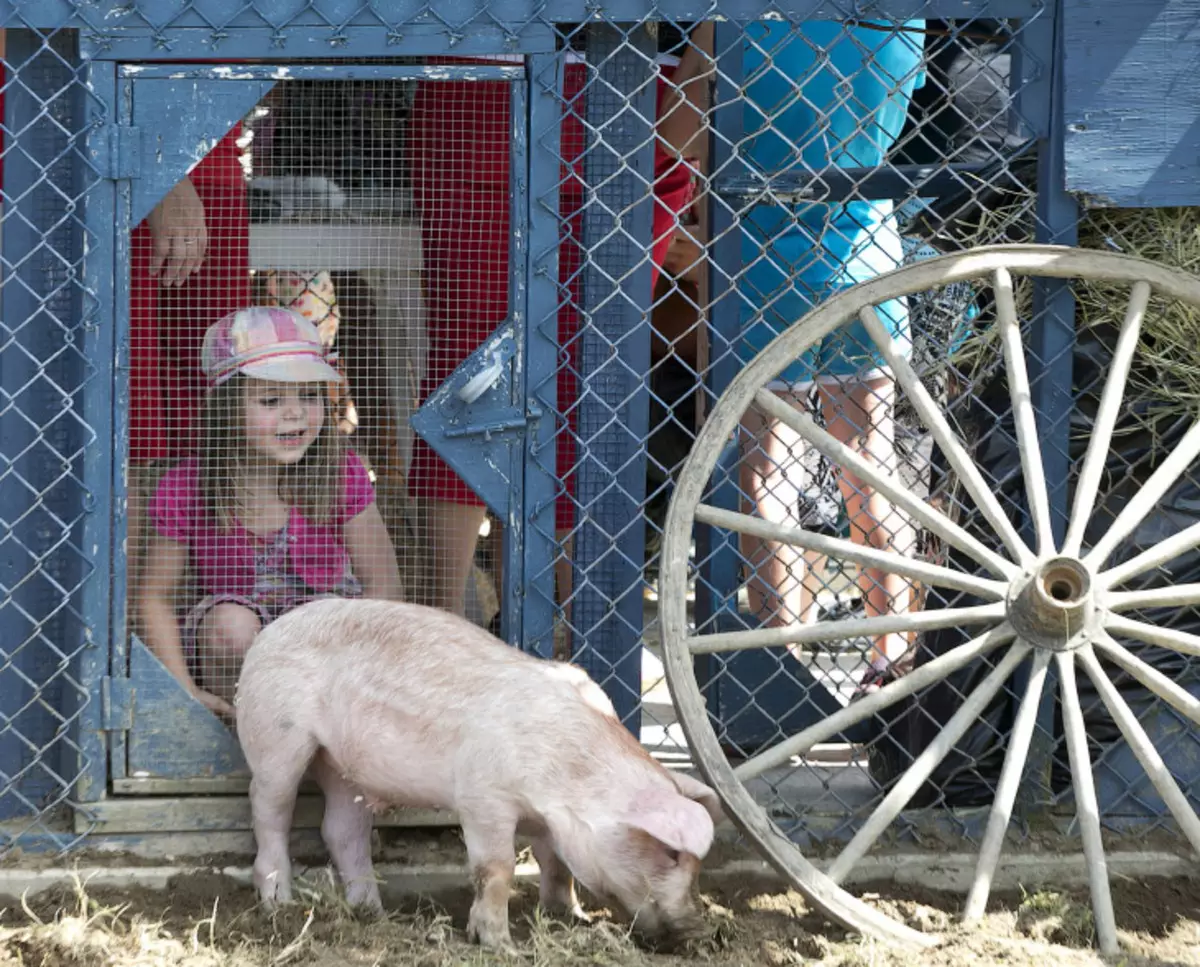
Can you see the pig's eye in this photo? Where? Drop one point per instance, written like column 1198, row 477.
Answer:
column 673, row 855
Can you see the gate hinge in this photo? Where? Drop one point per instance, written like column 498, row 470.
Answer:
column 116, row 151
column 116, row 704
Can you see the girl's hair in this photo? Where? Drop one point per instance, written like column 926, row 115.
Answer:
column 313, row 485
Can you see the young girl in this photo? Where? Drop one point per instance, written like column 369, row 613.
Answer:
column 272, row 513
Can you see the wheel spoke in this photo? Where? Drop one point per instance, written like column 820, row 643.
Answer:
column 1179, row 595
column 1143, row 748
column 868, row 705
column 916, row 775
column 891, row 624
column 1152, row 557
column 1086, row 808
column 952, row 449
column 1180, row 641
column 1006, row 790
column 843, row 550
column 848, row 458
column 1023, row 415
column 1165, row 688
column 1106, row 418
column 1146, row 499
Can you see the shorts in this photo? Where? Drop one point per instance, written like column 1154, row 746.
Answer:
column 845, row 355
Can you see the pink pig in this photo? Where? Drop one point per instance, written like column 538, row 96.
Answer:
column 406, row 705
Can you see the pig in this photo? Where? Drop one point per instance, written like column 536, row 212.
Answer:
column 387, row 703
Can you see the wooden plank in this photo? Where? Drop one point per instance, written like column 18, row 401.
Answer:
column 213, row 813
column 1131, row 104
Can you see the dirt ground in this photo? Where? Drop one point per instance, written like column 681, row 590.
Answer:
column 208, row 920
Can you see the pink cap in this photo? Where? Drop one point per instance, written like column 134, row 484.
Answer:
column 266, row 342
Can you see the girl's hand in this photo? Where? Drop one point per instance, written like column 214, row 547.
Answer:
column 214, row 703
column 179, row 234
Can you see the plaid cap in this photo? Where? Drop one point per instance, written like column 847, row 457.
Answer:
column 266, row 342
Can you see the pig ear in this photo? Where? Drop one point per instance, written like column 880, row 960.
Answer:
column 698, row 791
column 677, row 822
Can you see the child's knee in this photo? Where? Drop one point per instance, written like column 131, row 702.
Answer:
column 230, row 629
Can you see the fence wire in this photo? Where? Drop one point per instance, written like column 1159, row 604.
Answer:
column 699, row 186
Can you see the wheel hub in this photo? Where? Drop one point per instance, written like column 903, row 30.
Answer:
column 1053, row 606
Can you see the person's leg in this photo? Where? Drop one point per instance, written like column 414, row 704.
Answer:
column 782, row 584
column 861, row 415
column 224, row 636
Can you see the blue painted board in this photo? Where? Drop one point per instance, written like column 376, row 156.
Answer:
column 1131, row 101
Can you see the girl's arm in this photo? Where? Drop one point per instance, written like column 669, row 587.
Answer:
column 165, row 563
column 372, row 556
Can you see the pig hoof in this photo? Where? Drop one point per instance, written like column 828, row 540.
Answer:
column 490, row 936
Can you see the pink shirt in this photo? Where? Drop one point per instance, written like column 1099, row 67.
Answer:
column 224, row 559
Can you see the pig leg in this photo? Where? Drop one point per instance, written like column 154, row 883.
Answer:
column 489, row 836
column 273, row 789
column 556, row 891
column 346, row 830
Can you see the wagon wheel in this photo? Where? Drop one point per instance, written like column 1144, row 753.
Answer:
column 1054, row 604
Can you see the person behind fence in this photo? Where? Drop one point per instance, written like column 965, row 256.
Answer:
column 272, row 512
column 820, row 95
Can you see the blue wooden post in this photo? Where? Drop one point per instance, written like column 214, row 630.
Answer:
column 542, row 488
column 99, row 324
column 43, row 559
column 1049, row 354
column 717, row 553
column 615, row 363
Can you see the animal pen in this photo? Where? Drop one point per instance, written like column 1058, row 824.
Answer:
column 590, row 351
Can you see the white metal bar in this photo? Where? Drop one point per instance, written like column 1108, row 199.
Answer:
column 843, row 550
column 1144, row 749
column 847, row 457
column 1023, row 415
column 915, row 776
column 891, row 624
column 1152, row 557
column 1180, row 641
column 1147, row 498
column 1006, row 789
column 1106, row 418
column 1165, row 688
column 920, row 677
column 954, row 451
column 1086, row 807
column 1178, row 595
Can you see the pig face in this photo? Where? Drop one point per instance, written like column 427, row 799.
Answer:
column 653, row 854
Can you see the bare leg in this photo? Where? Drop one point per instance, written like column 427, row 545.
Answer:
column 489, row 839
column 449, row 533
column 222, row 640
column 860, row 415
column 782, row 586
column 272, row 799
column 346, row 832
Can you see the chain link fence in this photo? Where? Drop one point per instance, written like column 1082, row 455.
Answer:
column 645, row 202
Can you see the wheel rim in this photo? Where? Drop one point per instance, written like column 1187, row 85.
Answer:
column 1047, row 603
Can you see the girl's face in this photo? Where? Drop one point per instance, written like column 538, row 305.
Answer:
column 282, row 419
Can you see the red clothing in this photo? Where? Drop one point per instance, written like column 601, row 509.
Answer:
column 166, row 325
column 458, row 143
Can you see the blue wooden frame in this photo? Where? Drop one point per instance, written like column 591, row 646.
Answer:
column 132, row 671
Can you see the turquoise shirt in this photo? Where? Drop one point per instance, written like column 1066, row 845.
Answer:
column 820, row 95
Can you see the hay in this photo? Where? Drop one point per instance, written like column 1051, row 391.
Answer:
column 1166, row 370
column 1165, row 377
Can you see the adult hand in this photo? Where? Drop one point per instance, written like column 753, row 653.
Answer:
column 179, row 234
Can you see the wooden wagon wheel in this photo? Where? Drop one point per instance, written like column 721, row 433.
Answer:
column 1053, row 604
